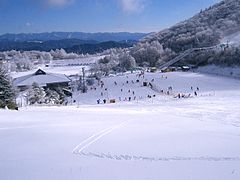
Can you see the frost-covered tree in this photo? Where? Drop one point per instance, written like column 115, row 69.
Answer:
column 7, row 95
column 205, row 29
column 52, row 97
column 62, row 54
column 36, row 94
column 152, row 53
column 126, row 61
column 62, row 95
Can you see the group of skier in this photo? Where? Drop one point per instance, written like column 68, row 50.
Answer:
column 131, row 95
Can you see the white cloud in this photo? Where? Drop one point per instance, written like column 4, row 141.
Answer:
column 28, row 24
column 133, row 6
column 58, row 3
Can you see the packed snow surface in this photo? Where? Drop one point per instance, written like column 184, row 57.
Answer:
column 233, row 39
column 222, row 71
column 195, row 138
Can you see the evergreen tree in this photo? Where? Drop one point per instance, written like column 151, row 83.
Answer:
column 62, row 96
column 7, row 95
column 52, row 97
column 36, row 94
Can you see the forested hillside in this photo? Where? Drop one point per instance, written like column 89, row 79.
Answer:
column 207, row 28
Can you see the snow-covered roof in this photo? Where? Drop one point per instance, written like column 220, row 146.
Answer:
column 41, row 78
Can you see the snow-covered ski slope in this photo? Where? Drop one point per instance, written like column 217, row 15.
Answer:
column 233, row 39
column 160, row 138
column 127, row 85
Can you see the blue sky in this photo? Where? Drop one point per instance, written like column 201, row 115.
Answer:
column 17, row 16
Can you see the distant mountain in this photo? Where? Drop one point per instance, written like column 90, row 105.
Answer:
column 41, row 45
column 99, row 47
column 72, row 42
column 70, row 45
column 100, row 37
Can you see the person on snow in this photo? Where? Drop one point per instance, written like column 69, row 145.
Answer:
column 179, row 95
column 195, row 93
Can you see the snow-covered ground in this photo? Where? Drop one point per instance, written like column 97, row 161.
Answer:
column 64, row 66
column 127, row 86
column 159, row 138
column 76, row 62
column 222, row 71
column 233, row 39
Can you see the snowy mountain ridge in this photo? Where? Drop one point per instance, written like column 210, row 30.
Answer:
column 217, row 24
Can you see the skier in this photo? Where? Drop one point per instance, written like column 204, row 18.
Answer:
column 179, row 95
column 195, row 93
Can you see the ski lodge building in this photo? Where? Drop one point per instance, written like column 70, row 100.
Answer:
column 43, row 79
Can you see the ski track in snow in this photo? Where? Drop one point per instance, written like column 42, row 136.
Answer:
column 121, row 157
column 79, row 150
column 95, row 137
